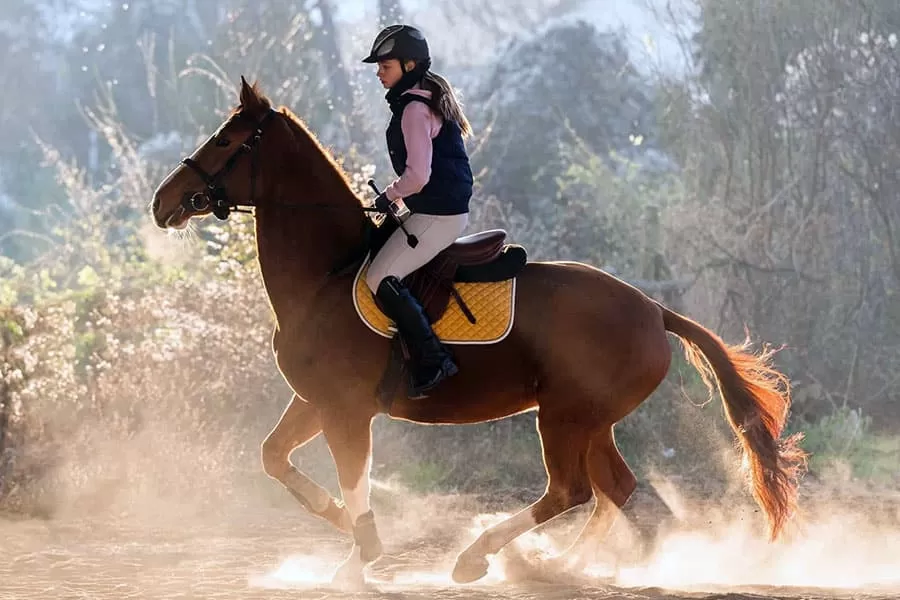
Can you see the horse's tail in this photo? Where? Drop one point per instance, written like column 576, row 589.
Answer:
column 757, row 399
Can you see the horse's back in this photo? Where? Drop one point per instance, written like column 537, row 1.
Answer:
column 578, row 279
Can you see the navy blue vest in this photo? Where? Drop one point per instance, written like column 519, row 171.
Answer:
column 450, row 187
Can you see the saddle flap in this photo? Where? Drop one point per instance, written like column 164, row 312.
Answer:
column 432, row 283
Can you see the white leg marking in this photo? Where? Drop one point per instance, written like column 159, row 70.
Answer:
column 503, row 533
column 357, row 498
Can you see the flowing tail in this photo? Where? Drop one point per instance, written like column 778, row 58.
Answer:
column 757, row 399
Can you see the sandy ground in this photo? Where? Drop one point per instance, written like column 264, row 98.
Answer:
column 271, row 553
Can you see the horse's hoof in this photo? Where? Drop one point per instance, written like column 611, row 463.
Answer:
column 553, row 564
column 469, row 569
column 349, row 576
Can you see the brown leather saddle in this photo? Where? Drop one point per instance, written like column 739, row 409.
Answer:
column 480, row 257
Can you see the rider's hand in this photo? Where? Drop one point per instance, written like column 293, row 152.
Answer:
column 382, row 203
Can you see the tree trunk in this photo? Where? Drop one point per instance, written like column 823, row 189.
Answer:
column 389, row 12
column 341, row 87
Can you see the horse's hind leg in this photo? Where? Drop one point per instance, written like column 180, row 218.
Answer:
column 299, row 423
column 613, row 483
column 565, row 444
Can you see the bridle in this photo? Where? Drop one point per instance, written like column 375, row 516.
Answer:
column 215, row 196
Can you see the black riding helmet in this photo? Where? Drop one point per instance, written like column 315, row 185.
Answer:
column 402, row 42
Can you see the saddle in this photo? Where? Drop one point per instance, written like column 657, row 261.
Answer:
column 472, row 260
column 481, row 257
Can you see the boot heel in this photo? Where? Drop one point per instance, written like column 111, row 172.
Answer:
column 432, row 362
column 449, row 368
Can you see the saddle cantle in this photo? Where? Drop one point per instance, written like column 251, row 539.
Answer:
column 477, row 272
column 481, row 257
column 477, row 248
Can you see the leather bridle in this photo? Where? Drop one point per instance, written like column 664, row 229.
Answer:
column 214, row 196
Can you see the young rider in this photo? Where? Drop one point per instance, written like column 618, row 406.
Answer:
column 425, row 139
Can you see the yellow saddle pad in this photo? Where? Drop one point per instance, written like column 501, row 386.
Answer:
column 492, row 305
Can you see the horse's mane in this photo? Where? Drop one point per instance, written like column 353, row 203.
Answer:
column 307, row 143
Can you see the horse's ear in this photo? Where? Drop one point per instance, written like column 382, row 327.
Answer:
column 249, row 98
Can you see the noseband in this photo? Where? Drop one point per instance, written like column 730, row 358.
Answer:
column 215, row 196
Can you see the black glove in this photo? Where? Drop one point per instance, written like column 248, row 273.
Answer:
column 382, row 203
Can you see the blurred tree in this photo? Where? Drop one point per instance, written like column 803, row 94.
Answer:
column 787, row 143
column 128, row 56
column 389, row 11
column 501, row 20
column 544, row 92
column 294, row 51
column 28, row 106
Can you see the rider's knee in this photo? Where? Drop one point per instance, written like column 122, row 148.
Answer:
column 373, row 280
column 376, row 273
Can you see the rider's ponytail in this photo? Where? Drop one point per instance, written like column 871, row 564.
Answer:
column 444, row 101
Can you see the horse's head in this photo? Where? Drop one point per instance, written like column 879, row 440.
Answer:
column 223, row 172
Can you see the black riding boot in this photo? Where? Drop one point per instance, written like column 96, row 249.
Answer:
column 432, row 362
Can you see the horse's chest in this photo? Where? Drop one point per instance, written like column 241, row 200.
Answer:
column 319, row 348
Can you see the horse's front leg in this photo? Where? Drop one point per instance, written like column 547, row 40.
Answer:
column 350, row 441
column 300, row 423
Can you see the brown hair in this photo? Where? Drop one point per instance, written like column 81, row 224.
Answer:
column 444, row 101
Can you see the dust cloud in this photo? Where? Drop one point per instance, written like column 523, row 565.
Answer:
column 836, row 548
column 163, row 510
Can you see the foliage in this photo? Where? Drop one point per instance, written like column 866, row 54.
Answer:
column 543, row 93
column 788, row 159
column 844, row 441
column 602, row 206
column 768, row 178
column 105, row 341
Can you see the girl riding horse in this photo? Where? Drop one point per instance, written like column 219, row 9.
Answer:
column 425, row 139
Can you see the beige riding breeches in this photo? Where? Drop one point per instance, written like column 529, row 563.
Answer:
column 435, row 232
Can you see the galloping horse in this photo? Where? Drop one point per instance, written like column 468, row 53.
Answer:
column 585, row 349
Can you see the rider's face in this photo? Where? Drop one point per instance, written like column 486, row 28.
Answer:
column 389, row 71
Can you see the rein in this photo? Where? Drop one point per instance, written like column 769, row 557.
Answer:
column 215, row 196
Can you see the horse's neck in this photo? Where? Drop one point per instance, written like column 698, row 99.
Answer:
column 297, row 247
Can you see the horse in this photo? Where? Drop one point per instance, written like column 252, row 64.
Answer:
column 585, row 349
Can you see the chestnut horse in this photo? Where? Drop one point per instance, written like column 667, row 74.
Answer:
column 585, row 350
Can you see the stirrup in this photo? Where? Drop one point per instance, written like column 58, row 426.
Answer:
column 416, row 391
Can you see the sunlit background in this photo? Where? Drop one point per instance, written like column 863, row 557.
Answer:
column 739, row 161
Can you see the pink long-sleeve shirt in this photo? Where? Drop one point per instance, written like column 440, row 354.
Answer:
column 420, row 125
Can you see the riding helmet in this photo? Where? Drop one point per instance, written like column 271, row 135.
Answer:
column 402, row 42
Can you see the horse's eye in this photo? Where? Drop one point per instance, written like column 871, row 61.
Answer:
column 222, row 141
